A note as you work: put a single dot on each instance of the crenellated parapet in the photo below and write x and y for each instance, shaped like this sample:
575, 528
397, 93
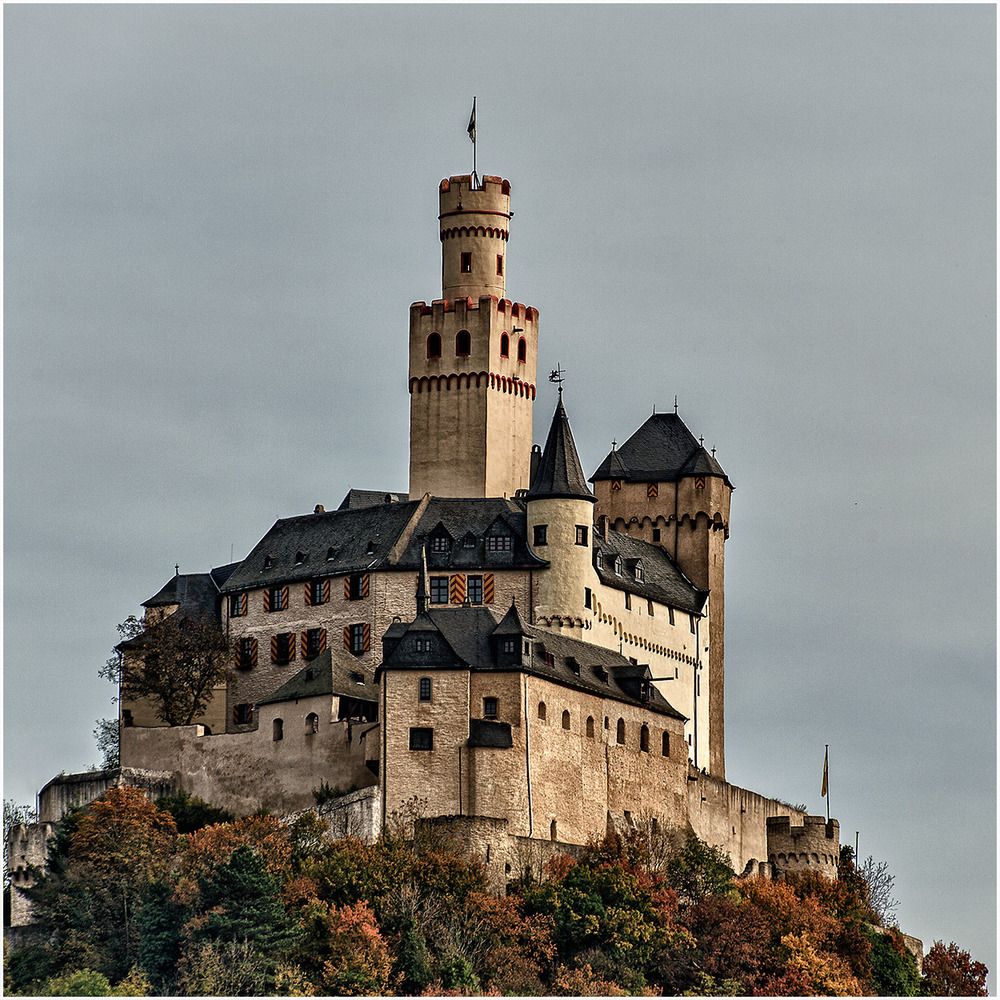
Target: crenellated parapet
812, 846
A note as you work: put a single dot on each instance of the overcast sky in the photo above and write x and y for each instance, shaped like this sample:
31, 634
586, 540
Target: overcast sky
216, 218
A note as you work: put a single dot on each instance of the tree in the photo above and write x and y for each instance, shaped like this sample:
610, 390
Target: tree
107, 736
881, 883
950, 971
174, 665
696, 870
894, 970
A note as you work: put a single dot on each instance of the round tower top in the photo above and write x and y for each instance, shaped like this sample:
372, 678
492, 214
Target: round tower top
459, 196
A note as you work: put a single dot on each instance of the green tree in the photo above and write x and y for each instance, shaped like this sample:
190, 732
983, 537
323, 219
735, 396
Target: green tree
107, 736
696, 870
894, 970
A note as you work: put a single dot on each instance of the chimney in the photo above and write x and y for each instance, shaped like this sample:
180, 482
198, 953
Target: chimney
319, 509
536, 457
602, 527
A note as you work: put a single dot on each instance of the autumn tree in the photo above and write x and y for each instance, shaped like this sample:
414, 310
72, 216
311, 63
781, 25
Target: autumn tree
949, 971
173, 664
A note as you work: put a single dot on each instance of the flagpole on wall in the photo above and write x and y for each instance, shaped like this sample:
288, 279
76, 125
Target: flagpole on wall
472, 136
826, 780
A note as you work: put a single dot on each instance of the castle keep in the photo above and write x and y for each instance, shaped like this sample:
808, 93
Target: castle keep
520, 654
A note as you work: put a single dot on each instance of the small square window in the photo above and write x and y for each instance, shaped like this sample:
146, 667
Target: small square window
425, 689
490, 708
440, 544
423, 645
508, 646
466, 262
474, 590
500, 265
421, 739
439, 590
581, 534
236, 606
541, 534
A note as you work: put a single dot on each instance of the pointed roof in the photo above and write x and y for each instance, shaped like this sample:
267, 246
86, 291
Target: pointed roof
511, 623
661, 450
559, 472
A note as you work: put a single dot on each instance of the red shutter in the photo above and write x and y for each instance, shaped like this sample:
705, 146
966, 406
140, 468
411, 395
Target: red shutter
347, 588
243, 603
488, 588
308, 593
326, 591
304, 644
322, 640
367, 637
291, 646
253, 652
267, 598
456, 588
284, 598
347, 637
274, 649
364, 585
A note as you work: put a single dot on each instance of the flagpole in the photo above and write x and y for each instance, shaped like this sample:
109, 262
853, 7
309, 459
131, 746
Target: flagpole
828, 782
475, 173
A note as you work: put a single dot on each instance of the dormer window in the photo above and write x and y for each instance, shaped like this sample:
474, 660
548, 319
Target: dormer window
268, 562
499, 543
599, 561
440, 544
639, 575
573, 665
331, 554
618, 565
469, 542
601, 674
300, 557
371, 548
508, 646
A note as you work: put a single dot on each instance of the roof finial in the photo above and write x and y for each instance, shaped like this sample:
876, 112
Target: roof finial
701, 440
713, 451
177, 569
614, 444
675, 404
558, 374
654, 409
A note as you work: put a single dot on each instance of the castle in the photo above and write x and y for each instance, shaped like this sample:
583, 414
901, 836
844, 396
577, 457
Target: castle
512, 651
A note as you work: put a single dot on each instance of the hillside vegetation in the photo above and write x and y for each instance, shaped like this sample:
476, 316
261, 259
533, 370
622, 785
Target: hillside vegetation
179, 900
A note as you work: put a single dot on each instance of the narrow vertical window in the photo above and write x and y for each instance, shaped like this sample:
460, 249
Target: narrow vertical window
504, 346
466, 262
588, 597
500, 265
463, 343
665, 748
425, 689
277, 730
620, 734
434, 345
582, 535
540, 534
644, 738
522, 350
590, 726
565, 720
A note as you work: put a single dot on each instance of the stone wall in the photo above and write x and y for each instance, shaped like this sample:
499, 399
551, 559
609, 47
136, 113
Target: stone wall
68, 791
812, 843
27, 848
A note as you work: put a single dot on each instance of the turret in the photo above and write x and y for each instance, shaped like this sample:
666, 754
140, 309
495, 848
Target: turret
472, 356
560, 521
814, 846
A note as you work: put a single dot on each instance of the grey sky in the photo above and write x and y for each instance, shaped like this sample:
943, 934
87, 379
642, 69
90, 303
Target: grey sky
216, 218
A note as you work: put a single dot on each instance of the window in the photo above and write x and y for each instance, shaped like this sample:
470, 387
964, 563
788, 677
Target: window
358, 643
463, 343
499, 543
423, 645
565, 720
628, 601
499, 265
277, 600
590, 726
357, 586
331, 553
490, 708
670, 615
434, 345
440, 544
618, 565
588, 597
421, 739
620, 734
300, 557
581, 534
522, 350
474, 589
508, 646
649, 608
541, 534
691, 623
314, 643
282, 647
439, 590
504, 346
318, 594
237, 605
656, 534
552, 830
425, 689
599, 561
541, 711
312, 724
469, 542
243, 714
466, 262
248, 654
665, 749
127, 719
644, 738
639, 574
277, 730
268, 562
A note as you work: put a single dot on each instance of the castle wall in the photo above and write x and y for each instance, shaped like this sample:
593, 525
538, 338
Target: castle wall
27, 848
244, 772
69, 791
811, 843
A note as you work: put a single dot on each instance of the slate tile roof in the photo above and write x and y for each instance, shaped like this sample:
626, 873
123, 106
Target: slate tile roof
194, 592
559, 473
356, 499
323, 676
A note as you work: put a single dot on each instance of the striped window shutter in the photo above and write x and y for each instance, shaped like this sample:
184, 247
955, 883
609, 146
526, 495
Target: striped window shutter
347, 637
489, 588
456, 588
365, 584
308, 593
347, 588
291, 646
267, 598
253, 652
243, 603
322, 640
304, 644
367, 640
284, 598
326, 591
274, 649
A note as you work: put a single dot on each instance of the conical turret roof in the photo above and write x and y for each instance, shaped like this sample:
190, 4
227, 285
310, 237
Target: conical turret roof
560, 473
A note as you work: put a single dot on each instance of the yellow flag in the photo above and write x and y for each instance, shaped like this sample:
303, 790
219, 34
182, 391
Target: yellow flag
826, 772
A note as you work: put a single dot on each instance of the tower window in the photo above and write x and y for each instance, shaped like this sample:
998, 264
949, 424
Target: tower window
439, 590
463, 343
666, 744
421, 739
565, 720
620, 734
490, 708
588, 597
466, 262
434, 345
277, 730
644, 739
504, 346
500, 265
542, 714
581, 534
522, 350
540, 534
656, 534
425, 689
590, 726
628, 601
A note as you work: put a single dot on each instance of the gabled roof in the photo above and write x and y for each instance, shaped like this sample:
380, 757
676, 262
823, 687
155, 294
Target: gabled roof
356, 499
194, 592
661, 450
559, 473
320, 677
662, 579
511, 623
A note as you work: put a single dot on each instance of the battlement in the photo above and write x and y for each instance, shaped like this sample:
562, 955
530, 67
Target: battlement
813, 845
517, 310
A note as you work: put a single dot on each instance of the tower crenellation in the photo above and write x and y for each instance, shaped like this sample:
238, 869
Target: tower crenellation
812, 846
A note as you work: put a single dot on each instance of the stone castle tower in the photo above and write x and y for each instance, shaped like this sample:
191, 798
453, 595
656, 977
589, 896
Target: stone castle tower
664, 487
472, 356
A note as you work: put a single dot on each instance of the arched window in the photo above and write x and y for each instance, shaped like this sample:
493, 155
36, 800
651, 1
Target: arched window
621, 731
666, 744
463, 343
434, 345
644, 738
277, 730
590, 726
522, 350
504, 346
312, 724
541, 710
552, 830
565, 720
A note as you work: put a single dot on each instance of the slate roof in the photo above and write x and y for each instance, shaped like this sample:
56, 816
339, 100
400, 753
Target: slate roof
559, 473
467, 632
356, 499
662, 580
661, 450
323, 676
194, 592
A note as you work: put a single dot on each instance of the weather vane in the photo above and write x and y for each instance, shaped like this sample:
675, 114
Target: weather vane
558, 375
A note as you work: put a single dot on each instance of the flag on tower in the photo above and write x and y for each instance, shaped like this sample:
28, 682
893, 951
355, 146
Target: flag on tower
472, 121
826, 773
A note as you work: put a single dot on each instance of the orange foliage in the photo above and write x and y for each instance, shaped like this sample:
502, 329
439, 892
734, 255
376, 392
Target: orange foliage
358, 961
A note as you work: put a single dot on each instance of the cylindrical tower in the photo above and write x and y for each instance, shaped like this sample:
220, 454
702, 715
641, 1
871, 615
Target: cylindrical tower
812, 847
474, 229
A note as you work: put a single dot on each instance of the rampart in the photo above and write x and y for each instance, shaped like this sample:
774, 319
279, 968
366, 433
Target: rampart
812, 845
69, 791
